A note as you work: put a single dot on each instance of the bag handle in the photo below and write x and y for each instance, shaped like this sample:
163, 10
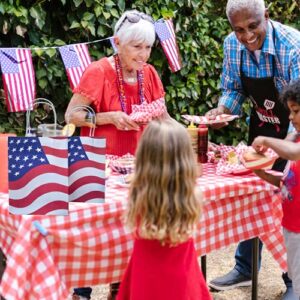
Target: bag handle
38, 101
87, 109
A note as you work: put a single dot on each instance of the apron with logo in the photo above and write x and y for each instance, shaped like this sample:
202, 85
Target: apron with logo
269, 117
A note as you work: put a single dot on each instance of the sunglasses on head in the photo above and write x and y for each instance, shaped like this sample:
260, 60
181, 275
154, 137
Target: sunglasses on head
135, 18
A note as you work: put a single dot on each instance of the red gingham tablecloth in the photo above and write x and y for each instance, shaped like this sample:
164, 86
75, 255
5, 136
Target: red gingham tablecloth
91, 246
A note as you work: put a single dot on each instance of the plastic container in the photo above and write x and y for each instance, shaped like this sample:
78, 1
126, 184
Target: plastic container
193, 133
202, 143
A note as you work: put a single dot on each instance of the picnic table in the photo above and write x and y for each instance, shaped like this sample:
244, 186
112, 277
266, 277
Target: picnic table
48, 255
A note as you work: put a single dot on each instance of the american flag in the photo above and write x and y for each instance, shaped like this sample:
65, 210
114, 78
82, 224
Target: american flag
87, 169
76, 58
18, 78
166, 34
38, 176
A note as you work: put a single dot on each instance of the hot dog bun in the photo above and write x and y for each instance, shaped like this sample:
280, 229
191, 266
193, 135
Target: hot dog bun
257, 161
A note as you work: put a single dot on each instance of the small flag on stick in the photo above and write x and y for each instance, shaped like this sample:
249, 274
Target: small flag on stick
18, 78
166, 34
76, 58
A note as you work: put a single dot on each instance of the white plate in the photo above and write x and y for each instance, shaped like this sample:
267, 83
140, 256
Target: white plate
206, 121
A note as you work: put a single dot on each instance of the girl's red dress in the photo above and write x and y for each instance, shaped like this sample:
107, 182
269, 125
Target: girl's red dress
157, 272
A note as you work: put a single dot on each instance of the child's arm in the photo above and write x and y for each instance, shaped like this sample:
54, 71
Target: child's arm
273, 179
286, 149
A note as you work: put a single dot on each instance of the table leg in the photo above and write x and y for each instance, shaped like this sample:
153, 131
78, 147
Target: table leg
255, 251
203, 266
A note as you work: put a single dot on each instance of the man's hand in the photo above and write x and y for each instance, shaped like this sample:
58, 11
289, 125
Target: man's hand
211, 114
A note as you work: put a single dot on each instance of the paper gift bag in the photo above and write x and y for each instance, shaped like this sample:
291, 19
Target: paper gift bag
38, 175
87, 169
4, 162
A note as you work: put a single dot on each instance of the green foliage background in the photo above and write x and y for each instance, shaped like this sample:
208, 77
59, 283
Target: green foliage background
201, 27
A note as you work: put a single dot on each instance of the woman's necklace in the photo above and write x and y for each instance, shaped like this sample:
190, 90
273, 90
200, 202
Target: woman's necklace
120, 81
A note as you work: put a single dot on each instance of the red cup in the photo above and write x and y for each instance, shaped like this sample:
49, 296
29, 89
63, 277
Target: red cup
4, 161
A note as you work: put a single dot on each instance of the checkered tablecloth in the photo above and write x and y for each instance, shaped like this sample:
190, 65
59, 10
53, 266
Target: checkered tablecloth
91, 246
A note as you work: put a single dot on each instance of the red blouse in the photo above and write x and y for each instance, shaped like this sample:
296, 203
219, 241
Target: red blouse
99, 83
157, 272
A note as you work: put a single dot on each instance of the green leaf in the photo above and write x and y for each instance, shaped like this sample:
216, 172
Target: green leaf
77, 2
109, 3
89, 3
42, 83
2, 11
59, 42
84, 24
114, 13
40, 73
38, 14
74, 24
88, 16
106, 15
101, 32
51, 52
91, 28
98, 10
121, 5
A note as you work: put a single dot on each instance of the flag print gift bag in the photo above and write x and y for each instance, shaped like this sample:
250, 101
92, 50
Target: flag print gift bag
87, 169
38, 175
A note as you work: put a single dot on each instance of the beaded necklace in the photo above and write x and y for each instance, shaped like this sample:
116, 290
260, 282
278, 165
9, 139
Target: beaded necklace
120, 80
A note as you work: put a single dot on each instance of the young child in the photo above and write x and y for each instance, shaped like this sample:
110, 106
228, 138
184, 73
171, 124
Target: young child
164, 208
290, 183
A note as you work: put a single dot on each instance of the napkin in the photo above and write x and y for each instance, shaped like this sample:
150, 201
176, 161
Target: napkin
145, 112
121, 164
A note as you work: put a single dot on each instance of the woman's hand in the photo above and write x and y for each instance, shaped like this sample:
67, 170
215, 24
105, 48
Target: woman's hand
122, 121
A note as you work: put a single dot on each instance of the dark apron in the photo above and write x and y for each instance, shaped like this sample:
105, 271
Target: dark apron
269, 117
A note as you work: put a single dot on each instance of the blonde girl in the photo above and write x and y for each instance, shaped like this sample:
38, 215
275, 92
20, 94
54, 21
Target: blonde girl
163, 210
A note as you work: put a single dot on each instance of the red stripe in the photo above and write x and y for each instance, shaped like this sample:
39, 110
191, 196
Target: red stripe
55, 205
85, 164
95, 149
35, 172
69, 75
85, 180
91, 195
22, 79
61, 153
41, 190
29, 81
7, 92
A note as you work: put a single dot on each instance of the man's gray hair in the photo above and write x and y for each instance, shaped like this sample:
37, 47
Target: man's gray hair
234, 6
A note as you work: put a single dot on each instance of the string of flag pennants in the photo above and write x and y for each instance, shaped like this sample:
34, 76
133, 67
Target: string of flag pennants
19, 77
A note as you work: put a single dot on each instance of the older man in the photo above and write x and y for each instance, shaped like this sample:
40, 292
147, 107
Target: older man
261, 56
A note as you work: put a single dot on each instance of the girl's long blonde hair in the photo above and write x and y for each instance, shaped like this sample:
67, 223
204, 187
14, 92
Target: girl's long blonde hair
162, 201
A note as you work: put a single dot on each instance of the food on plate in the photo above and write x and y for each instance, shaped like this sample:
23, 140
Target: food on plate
256, 161
232, 158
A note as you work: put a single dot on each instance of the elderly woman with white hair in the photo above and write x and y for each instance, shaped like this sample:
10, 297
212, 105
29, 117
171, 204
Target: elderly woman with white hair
113, 84
261, 56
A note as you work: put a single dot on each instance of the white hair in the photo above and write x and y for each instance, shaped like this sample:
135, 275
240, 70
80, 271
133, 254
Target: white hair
234, 6
142, 31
